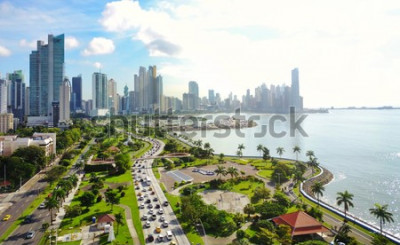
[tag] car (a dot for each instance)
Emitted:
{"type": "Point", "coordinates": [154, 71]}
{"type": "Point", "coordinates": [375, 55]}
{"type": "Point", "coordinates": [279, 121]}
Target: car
{"type": "Point", "coordinates": [160, 211]}
{"type": "Point", "coordinates": [30, 235]}
{"type": "Point", "coordinates": [158, 229]}
{"type": "Point", "coordinates": [162, 218]}
{"type": "Point", "coordinates": [165, 203]}
{"type": "Point", "coordinates": [165, 224]}
{"type": "Point", "coordinates": [141, 205]}
{"type": "Point", "coordinates": [153, 217]}
{"type": "Point", "coordinates": [144, 217]}
{"type": "Point", "coordinates": [172, 243]}
{"type": "Point", "coordinates": [169, 235]}
{"type": "Point", "coordinates": [150, 206]}
{"type": "Point", "coordinates": [151, 211]}
{"type": "Point", "coordinates": [28, 219]}
{"type": "Point", "coordinates": [147, 224]}
{"type": "Point", "coordinates": [150, 238]}
{"type": "Point", "coordinates": [148, 201]}
{"type": "Point", "coordinates": [137, 187]}
{"type": "Point", "coordinates": [144, 190]}
{"type": "Point", "coordinates": [155, 199]}
{"type": "Point", "coordinates": [7, 217]}
{"type": "Point", "coordinates": [141, 198]}
{"type": "Point", "coordinates": [157, 206]}
{"type": "Point", "coordinates": [160, 238]}
{"type": "Point", "coordinates": [42, 205]}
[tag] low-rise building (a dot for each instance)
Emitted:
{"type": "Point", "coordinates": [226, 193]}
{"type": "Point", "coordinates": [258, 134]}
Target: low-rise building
{"type": "Point", "coordinates": [10, 143]}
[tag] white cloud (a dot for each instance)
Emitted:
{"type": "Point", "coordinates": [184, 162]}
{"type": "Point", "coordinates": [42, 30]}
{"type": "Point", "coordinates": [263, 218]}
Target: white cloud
{"type": "Point", "coordinates": [4, 51]}
{"type": "Point", "coordinates": [24, 43]}
{"type": "Point", "coordinates": [340, 48]}
{"type": "Point", "coordinates": [71, 43]}
{"type": "Point", "coordinates": [98, 46]}
{"type": "Point", "coordinates": [98, 65]}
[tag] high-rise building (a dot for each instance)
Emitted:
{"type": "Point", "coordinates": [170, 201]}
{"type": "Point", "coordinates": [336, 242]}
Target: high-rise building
{"type": "Point", "coordinates": [100, 93]}
{"type": "Point", "coordinates": [3, 96]}
{"type": "Point", "coordinates": [6, 122]}
{"type": "Point", "coordinates": [112, 96]}
{"type": "Point", "coordinates": [76, 96]}
{"type": "Point", "coordinates": [65, 94]}
{"type": "Point", "coordinates": [148, 88]}
{"type": "Point", "coordinates": [27, 100]}
{"type": "Point", "coordinates": [46, 73]}
{"type": "Point", "coordinates": [188, 102]}
{"type": "Point", "coordinates": [16, 95]}
{"type": "Point", "coordinates": [211, 97]}
{"type": "Point", "coordinates": [295, 90]}
{"type": "Point", "coordinates": [194, 89]}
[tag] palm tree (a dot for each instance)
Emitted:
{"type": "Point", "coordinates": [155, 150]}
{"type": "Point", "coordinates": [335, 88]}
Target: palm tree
{"type": "Point", "coordinates": [240, 149]}
{"type": "Point", "coordinates": [198, 143]}
{"type": "Point", "coordinates": [232, 171]}
{"type": "Point", "coordinates": [313, 163]}
{"type": "Point", "coordinates": [119, 218]}
{"type": "Point", "coordinates": [381, 213]}
{"type": "Point", "coordinates": [310, 154]}
{"type": "Point", "coordinates": [298, 176]}
{"type": "Point", "coordinates": [239, 153]}
{"type": "Point", "coordinates": [345, 198]}
{"type": "Point", "coordinates": [260, 148]}
{"type": "Point", "coordinates": [317, 189]}
{"type": "Point", "coordinates": [221, 158]}
{"type": "Point", "coordinates": [220, 171]}
{"type": "Point", "coordinates": [297, 150]}
{"type": "Point", "coordinates": [50, 204]}
{"type": "Point", "coordinates": [280, 151]}
{"type": "Point", "coordinates": [59, 194]}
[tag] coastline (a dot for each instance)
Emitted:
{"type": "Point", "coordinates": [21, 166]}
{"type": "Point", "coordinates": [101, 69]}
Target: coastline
{"type": "Point", "coordinates": [325, 178]}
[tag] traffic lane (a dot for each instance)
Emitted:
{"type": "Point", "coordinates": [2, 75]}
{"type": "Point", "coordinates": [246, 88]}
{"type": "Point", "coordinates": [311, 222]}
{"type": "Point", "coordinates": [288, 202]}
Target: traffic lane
{"type": "Point", "coordinates": [40, 216]}
{"type": "Point", "coordinates": [19, 203]}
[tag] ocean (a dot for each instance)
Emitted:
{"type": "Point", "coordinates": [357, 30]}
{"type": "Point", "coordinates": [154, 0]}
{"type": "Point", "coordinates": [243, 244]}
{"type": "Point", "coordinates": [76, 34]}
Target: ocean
{"type": "Point", "coordinates": [360, 147]}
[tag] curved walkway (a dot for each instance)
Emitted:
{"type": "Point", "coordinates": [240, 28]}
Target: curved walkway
{"type": "Point", "coordinates": [129, 223]}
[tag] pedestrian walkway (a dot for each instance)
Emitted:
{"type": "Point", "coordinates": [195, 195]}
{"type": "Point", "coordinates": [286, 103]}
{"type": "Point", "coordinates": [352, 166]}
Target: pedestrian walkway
{"type": "Point", "coordinates": [129, 223]}
{"type": "Point", "coordinates": [67, 201]}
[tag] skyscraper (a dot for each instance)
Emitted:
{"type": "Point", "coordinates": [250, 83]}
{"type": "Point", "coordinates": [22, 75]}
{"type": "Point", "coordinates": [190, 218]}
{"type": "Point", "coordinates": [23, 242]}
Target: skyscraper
{"type": "Point", "coordinates": [76, 97]}
{"type": "Point", "coordinates": [65, 96]}
{"type": "Point", "coordinates": [16, 96]}
{"type": "Point", "coordinates": [211, 97]}
{"type": "Point", "coordinates": [112, 96]}
{"type": "Point", "coordinates": [148, 88]}
{"type": "Point", "coordinates": [99, 86]}
{"type": "Point", "coordinates": [3, 96]}
{"type": "Point", "coordinates": [194, 89]}
{"type": "Point", "coordinates": [46, 69]}
{"type": "Point", "coordinates": [295, 90]}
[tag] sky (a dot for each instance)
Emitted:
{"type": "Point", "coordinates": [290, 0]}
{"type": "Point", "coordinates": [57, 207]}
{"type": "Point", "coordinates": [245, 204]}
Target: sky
{"type": "Point", "coordinates": [347, 52]}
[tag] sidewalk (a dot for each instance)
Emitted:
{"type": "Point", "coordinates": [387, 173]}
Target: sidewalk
{"type": "Point", "coordinates": [68, 200]}
{"type": "Point", "coordinates": [129, 222]}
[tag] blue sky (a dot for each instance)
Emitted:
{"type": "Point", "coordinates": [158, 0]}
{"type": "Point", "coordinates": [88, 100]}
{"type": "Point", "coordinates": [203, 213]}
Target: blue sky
{"type": "Point", "coordinates": [348, 53]}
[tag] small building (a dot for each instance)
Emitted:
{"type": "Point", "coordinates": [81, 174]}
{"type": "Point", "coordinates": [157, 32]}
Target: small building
{"type": "Point", "coordinates": [104, 221]}
{"type": "Point", "coordinates": [6, 122]}
{"type": "Point", "coordinates": [10, 143]}
{"type": "Point", "coordinates": [300, 223]}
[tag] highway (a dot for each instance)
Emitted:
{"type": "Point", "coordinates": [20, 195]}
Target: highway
{"type": "Point", "coordinates": [40, 216]}
{"type": "Point", "coordinates": [146, 172]}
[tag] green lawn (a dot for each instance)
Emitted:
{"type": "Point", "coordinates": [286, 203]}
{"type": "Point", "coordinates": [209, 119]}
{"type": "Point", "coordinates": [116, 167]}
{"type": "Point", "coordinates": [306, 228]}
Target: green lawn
{"type": "Point", "coordinates": [156, 173]}
{"type": "Point", "coordinates": [246, 187]}
{"type": "Point", "coordinates": [266, 173]}
{"type": "Point", "coordinates": [70, 243]}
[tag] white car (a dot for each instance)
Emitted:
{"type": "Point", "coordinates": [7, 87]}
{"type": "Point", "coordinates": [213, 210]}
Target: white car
{"type": "Point", "coordinates": [160, 211]}
{"type": "Point", "coordinates": [142, 205]}
{"type": "Point", "coordinates": [42, 205]}
{"type": "Point", "coordinates": [162, 218]}
{"type": "Point", "coordinates": [160, 238]}
{"type": "Point", "coordinates": [147, 224]}
{"type": "Point", "coordinates": [165, 224]}
{"type": "Point", "coordinates": [169, 235]}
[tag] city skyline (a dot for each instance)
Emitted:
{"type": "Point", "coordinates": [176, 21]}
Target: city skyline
{"type": "Point", "coordinates": [350, 62]}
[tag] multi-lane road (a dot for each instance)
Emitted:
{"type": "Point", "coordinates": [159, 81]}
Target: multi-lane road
{"type": "Point", "coordinates": [143, 170]}
{"type": "Point", "coordinates": [19, 203]}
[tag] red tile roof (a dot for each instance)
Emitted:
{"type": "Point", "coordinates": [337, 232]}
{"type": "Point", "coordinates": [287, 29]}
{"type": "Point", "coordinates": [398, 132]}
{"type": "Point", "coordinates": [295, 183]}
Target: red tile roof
{"type": "Point", "coordinates": [301, 223]}
{"type": "Point", "coordinates": [106, 218]}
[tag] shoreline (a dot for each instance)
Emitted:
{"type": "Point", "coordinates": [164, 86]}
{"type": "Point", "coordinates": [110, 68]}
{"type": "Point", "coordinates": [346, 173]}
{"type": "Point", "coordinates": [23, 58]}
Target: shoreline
{"type": "Point", "coordinates": [325, 178]}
